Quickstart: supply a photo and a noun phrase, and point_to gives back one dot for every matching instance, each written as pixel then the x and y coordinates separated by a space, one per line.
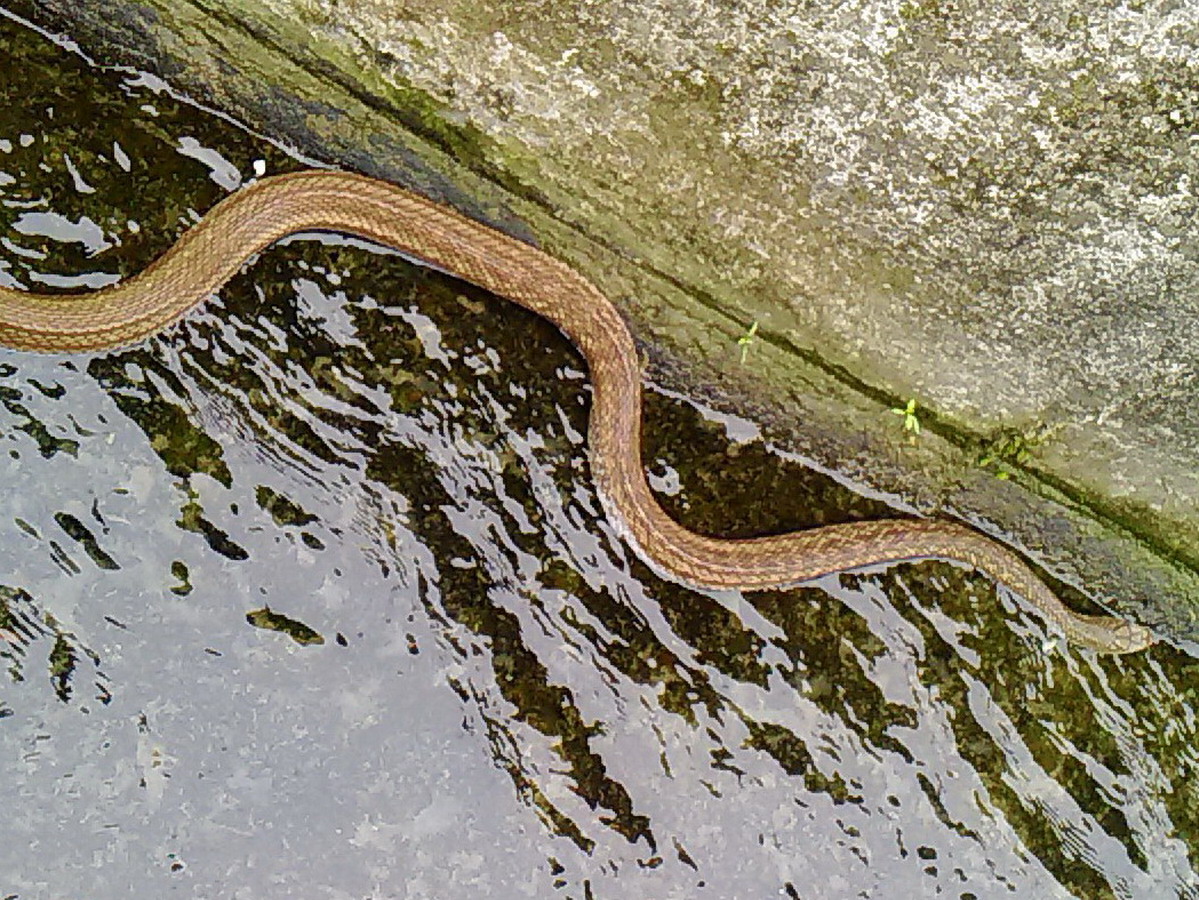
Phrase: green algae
pixel 270 620
pixel 23 625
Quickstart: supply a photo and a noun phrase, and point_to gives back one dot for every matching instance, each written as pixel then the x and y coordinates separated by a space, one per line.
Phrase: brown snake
pixel 249 220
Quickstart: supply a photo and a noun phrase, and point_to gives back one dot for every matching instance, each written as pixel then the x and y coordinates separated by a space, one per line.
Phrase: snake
pixel 250 219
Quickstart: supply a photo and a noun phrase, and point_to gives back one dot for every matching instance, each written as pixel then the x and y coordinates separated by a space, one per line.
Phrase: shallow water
pixel 469 683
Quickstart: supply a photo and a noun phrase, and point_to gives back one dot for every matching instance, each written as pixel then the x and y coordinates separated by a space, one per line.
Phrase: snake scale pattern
pixel 256 216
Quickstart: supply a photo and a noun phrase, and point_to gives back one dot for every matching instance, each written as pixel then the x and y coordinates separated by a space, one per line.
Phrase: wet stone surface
pixel 312 596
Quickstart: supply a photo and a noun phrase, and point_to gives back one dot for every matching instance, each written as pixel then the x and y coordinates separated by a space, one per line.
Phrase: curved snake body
pixel 249 220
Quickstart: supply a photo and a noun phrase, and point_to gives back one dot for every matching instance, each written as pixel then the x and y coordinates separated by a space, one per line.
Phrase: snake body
pixel 250 219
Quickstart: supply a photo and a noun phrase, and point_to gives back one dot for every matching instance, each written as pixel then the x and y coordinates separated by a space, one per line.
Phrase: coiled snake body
pixel 251 219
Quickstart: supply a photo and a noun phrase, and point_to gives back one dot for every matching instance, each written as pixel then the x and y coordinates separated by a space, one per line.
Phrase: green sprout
pixel 910 422
pixel 746 339
pixel 1011 449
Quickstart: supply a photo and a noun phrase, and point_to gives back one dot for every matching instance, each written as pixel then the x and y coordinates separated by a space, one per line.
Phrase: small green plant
pixel 911 423
pixel 1011 448
pixel 746 339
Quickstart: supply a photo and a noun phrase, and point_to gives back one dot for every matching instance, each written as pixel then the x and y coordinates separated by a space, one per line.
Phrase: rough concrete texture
pixel 990 210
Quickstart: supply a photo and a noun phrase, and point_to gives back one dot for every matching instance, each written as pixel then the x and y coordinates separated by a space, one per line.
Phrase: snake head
pixel 1109 634
pixel 1130 637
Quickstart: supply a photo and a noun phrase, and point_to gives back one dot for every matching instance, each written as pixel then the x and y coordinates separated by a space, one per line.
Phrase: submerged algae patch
pixel 270 620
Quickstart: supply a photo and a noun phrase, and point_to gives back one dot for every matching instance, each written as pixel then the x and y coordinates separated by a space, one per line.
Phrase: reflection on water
pixel 506 700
